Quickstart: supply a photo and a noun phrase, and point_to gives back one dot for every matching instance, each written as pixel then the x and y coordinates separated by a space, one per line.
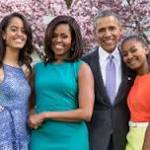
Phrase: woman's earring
pixel 71 49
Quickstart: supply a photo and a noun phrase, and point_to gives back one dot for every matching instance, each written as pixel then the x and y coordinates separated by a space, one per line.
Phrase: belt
pixel 138 124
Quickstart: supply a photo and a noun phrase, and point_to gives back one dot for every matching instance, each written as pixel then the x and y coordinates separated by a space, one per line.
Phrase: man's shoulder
pixel 90 54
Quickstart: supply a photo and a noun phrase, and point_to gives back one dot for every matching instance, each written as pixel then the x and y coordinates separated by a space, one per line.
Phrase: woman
pixel 135 54
pixel 64 91
pixel 15 50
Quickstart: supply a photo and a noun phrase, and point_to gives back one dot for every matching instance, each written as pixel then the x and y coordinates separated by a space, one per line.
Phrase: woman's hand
pixel 36 120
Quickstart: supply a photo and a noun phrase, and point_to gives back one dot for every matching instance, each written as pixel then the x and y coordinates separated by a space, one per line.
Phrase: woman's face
pixel 14 35
pixel 135 55
pixel 61 41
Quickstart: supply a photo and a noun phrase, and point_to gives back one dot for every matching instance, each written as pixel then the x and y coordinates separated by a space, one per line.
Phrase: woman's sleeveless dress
pixel 56 88
pixel 14 96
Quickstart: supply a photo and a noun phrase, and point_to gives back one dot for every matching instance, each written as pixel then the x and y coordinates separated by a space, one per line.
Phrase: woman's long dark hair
pixel 77 43
pixel 25 52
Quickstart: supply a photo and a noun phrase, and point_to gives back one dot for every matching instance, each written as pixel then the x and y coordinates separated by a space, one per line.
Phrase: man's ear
pixel 122 29
pixel 147 51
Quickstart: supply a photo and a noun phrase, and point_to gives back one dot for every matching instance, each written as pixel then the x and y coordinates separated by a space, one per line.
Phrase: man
pixel 109 125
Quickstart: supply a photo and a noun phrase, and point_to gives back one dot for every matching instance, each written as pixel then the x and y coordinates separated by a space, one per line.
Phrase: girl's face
pixel 61 41
pixel 15 36
pixel 135 55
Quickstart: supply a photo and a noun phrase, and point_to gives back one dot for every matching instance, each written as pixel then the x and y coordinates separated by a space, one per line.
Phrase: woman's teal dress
pixel 56 88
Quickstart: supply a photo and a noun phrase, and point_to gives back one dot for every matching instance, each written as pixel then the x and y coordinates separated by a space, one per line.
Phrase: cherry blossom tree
pixel 135 14
pixel 84 12
pixel 42 9
pixel 137 17
pixel 35 11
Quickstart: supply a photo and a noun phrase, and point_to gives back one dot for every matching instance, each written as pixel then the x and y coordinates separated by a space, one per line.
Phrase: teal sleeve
pixel 77 65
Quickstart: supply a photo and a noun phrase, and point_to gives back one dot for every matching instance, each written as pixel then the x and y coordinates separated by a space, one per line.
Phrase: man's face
pixel 107 33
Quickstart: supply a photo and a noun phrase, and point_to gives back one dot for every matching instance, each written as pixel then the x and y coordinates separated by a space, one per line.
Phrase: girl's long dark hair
pixel 25 52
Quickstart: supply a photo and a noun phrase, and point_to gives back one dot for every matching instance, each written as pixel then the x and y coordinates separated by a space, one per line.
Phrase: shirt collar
pixel 104 55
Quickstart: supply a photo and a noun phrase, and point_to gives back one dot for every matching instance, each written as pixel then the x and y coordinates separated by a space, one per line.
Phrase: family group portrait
pixel 74 74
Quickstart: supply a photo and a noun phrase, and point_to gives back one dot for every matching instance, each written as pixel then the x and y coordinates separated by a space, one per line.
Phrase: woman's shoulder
pixel 79 62
pixel 39 64
pixel 77 65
